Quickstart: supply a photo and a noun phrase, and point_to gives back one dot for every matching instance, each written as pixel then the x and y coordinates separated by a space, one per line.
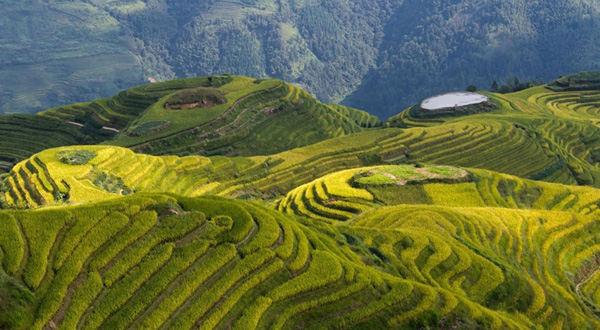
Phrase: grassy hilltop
pixel 228 202
pixel 259 117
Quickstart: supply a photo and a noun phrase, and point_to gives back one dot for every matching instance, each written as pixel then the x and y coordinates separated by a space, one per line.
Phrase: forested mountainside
pixel 376 55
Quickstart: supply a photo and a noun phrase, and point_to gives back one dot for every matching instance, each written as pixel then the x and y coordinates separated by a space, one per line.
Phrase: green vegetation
pixel 391 266
pixel 419 112
pixel 337 51
pixel 196 98
pixel 16 304
pixel 248 118
pixel 75 156
pixel 514 85
pixel 536 134
pixel 149 127
pixel 423 222
pixel 79 52
pixel 576 82
pixel 408 174
pixel 256 113
pixel 24 135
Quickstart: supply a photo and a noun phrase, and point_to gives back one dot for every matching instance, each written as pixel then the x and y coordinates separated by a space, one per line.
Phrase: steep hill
pixel 536 134
pixel 23 135
pixel 437 221
pixel 259 117
pixel 60 52
pixel 158 261
pixel 378 55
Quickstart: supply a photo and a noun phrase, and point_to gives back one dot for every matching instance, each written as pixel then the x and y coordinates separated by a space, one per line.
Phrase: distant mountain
pixel 377 55
pixel 436 46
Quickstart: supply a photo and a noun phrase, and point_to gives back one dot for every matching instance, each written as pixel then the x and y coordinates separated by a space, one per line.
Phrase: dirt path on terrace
pixel 580 296
pixel 74 123
pixel 111 129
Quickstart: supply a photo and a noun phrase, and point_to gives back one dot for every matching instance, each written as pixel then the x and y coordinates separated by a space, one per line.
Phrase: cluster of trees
pixel 514 85
pixel 511 85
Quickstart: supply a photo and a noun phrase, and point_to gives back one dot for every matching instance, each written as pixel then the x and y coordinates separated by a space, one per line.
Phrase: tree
pixel 472 88
pixel 495 86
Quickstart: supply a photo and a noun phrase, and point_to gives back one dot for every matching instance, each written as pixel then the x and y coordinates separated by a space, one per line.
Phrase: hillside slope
pixel 535 134
pixel 440 226
pixel 23 135
pixel 345 195
pixel 61 52
pixel 258 117
pixel 431 221
pixel 265 117
pixel 157 261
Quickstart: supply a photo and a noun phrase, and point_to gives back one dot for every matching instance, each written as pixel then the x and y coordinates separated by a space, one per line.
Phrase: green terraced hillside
pixel 161 262
pixel 267 177
pixel 94 173
pixel 562 125
pixel 536 133
pixel 258 117
pixel 535 238
pixel 463 220
pixel 575 82
pixel 82 123
pixel 23 135
pixel 345 195
pixel 255 117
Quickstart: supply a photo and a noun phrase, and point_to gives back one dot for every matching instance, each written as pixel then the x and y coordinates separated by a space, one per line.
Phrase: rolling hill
pixel 229 202
pixel 260 117
pixel 534 134
pixel 482 258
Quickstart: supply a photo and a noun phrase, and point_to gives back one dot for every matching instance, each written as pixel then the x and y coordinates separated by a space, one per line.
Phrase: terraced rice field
pixel 339 197
pixel 564 124
pixel 123 108
pixel 45 180
pixel 24 135
pixel 535 134
pixel 242 126
pixel 159 262
pixel 265 120
pixel 526 256
pixel 498 236
pixel 426 223
pixel 554 150
pixel 453 144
